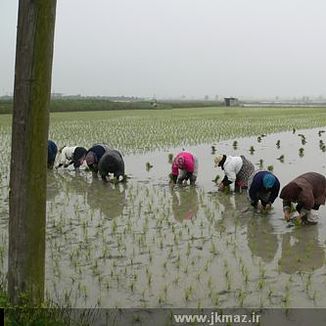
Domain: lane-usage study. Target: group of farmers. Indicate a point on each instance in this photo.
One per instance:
(307, 191)
(100, 158)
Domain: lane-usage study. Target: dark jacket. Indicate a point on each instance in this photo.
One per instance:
(311, 190)
(52, 153)
(94, 154)
(257, 187)
(98, 150)
(111, 162)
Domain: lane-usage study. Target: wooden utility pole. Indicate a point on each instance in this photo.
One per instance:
(28, 170)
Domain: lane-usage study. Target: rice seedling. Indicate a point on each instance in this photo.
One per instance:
(270, 168)
(301, 151)
(251, 150)
(278, 144)
(261, 163)
(188, 293)
(281, 158)
(241, 297)
(213, 149)
(235, 144)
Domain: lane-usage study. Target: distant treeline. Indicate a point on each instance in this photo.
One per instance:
(90, 104)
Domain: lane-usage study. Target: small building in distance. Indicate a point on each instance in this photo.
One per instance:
(231, 101)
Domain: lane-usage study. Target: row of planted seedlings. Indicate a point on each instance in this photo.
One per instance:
(145, 257)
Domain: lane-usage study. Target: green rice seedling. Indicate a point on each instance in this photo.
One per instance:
(251, 150)
(149, 279)
(293, 130)
(215, 180)
(215, 299)
(188, 293)
(235, 145)
(170, 157)
(281, 158)
(314, 296)
(213, 148)
(148, 166)
(301, 151)
(308, 282)
(213, 249)
(261, 284)
(320, 132)
(132, 286)
(241, 297)
(206, 267)
(259, 139)
(278, 144)
(209, 282)
(322, 145)
(261, 163)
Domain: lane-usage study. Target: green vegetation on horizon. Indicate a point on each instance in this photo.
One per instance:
(105, 104)
(142, 130)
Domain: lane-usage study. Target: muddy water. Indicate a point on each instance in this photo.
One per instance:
(145, 244)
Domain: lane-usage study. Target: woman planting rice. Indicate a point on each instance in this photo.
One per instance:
(71, 155)
(309, 192)
(263, 186)
(237, 170)
(184, 167)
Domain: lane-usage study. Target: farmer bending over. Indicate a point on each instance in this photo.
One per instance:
(112, 162)
(71, 155)
(263, 186)
(184, 167)
(237, 170)
(309, 192)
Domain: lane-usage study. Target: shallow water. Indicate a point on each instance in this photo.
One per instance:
(146, 244)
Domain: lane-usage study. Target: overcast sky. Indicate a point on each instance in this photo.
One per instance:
(170, 48)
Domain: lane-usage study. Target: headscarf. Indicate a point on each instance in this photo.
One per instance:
(218, 159)
(269, 180)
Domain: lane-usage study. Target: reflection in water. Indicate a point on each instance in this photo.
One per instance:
(67, 183)
(301, 251)
(262, 241)
(185, 203)
(109, 199)
(72, 189)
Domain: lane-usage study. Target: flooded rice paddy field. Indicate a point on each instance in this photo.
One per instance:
(145, 244)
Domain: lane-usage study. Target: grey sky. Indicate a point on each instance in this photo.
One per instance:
(181, 47)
